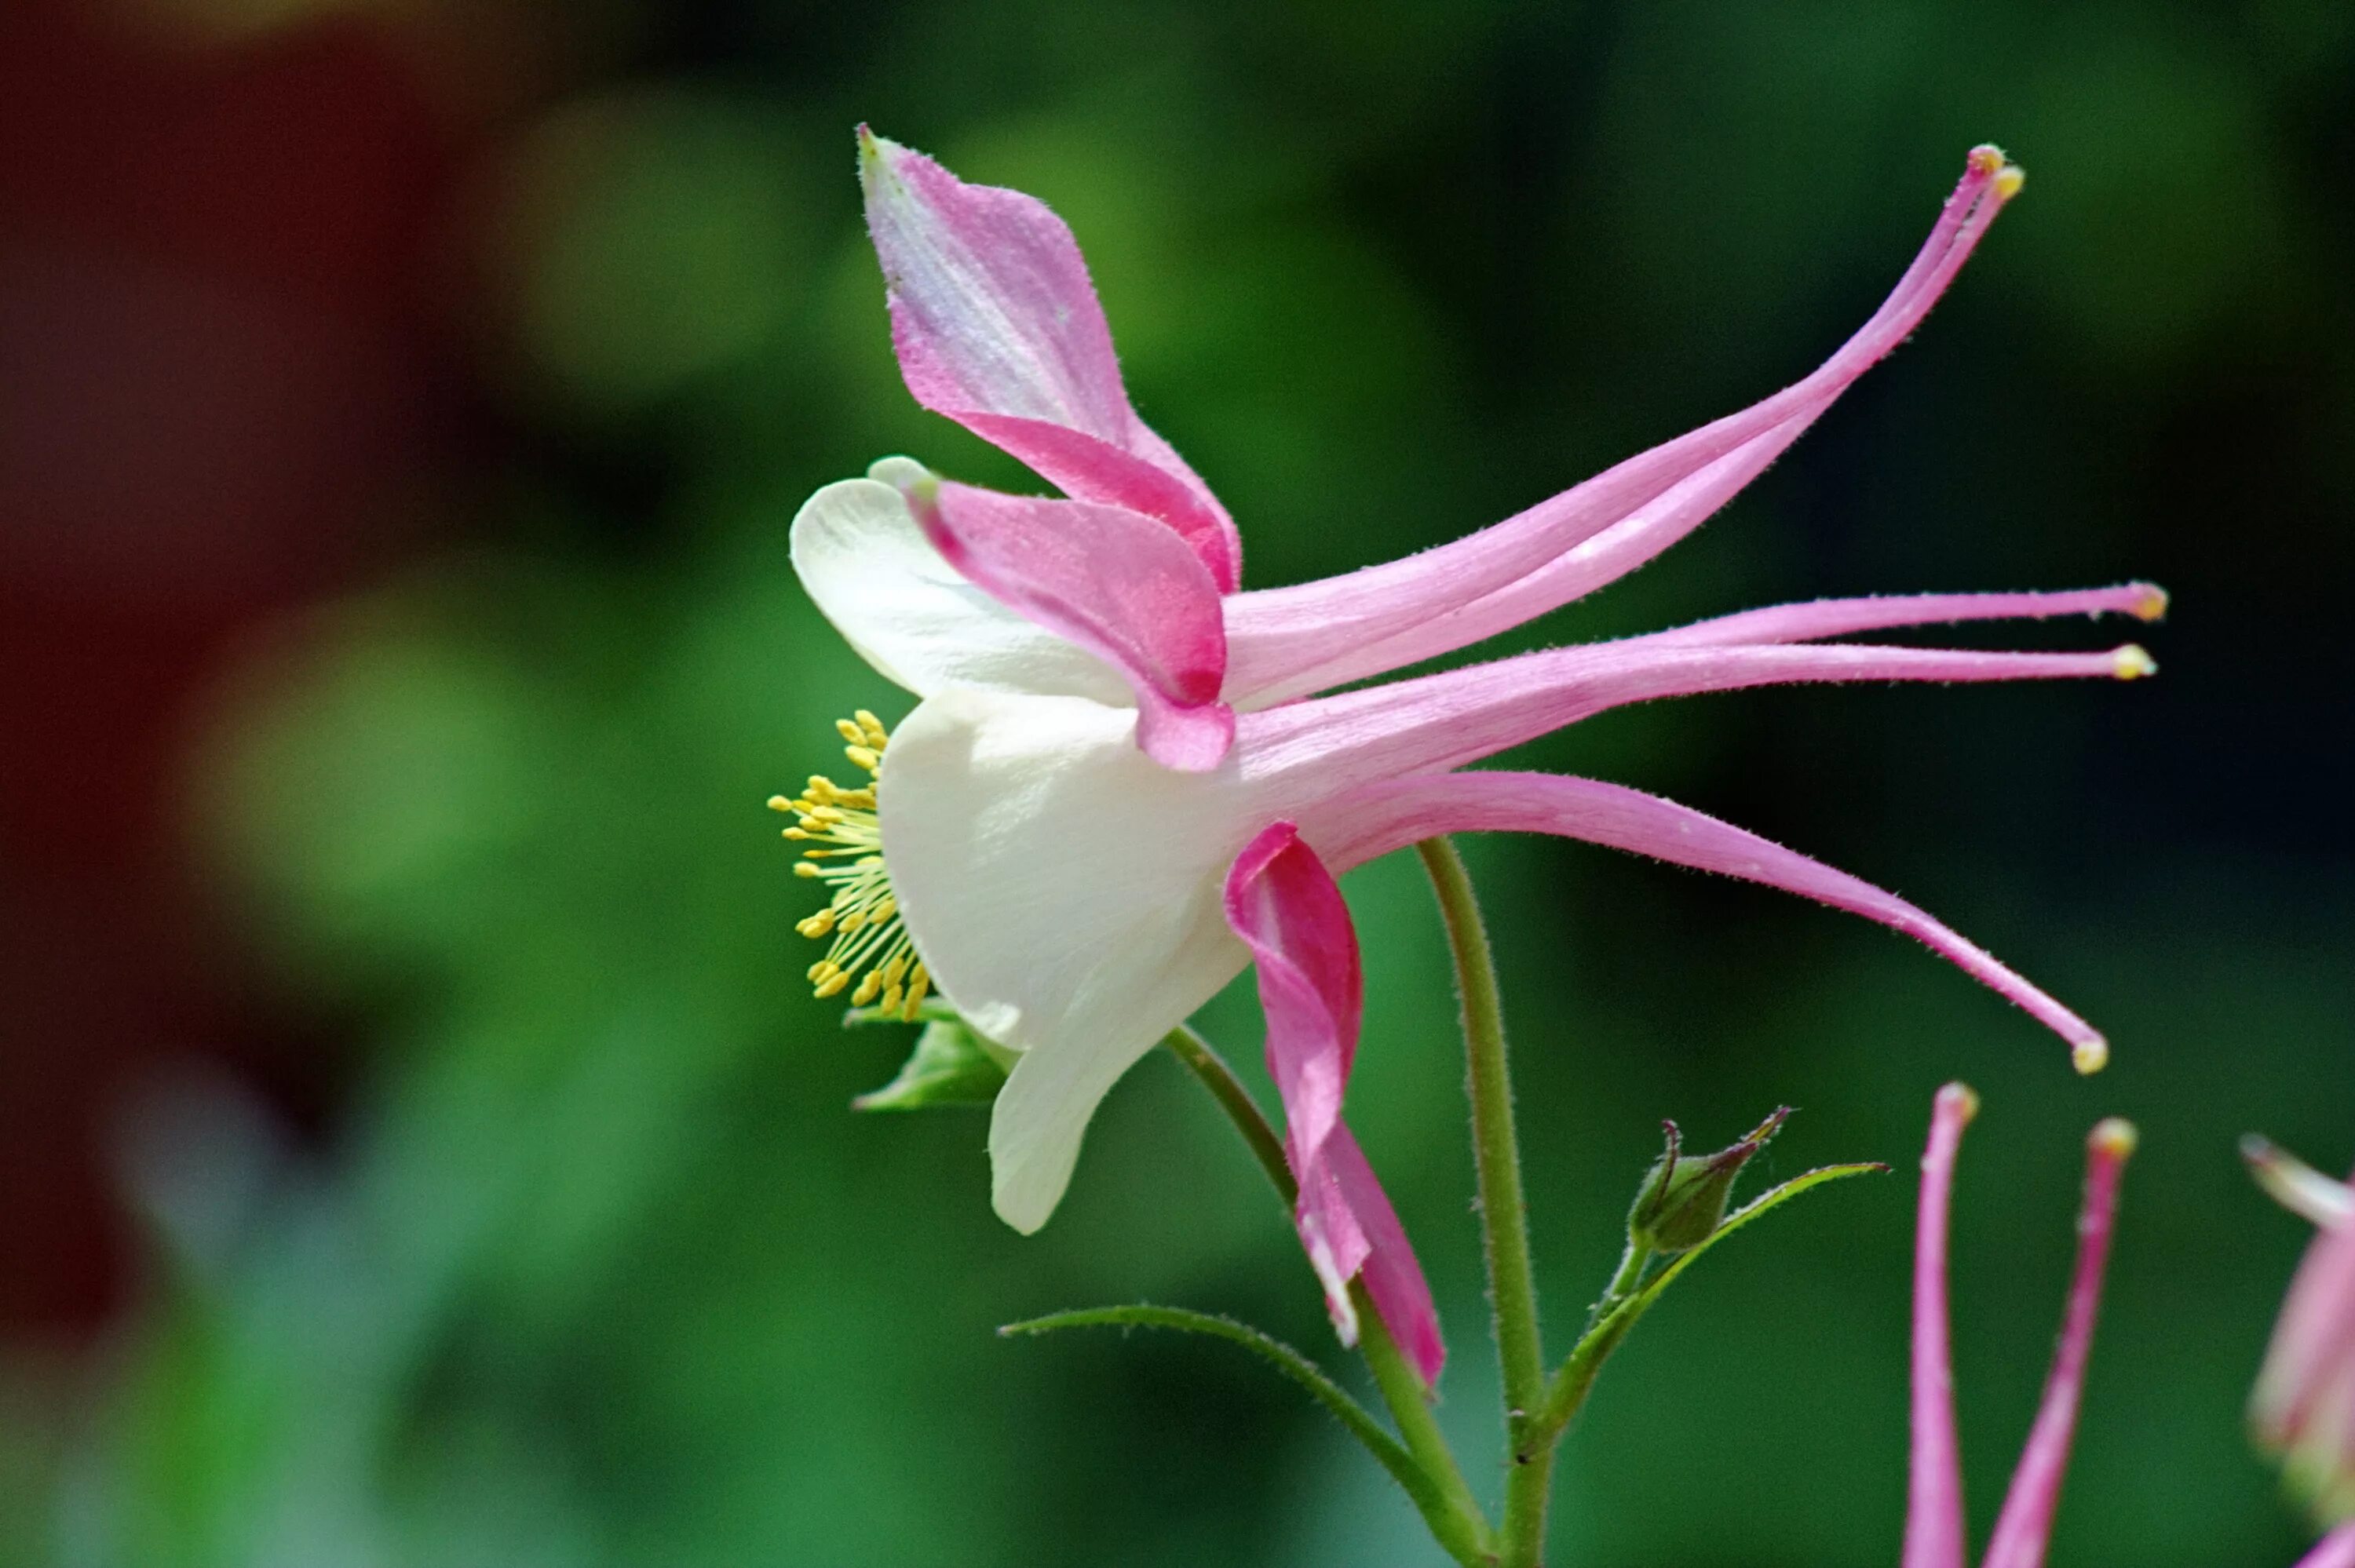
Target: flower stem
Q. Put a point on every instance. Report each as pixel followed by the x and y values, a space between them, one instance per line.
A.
pixel 1447 1507
pixel 1504 1212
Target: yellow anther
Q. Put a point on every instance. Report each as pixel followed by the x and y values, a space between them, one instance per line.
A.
pixel 778 803
pixel 2008 181
pixel 1965 1098
pixel 2113 1136
pixel 870 946
pixel 1986 158
pixel 2133 663
pixel 2090 1056
pixel 916 990
pixel 2150 603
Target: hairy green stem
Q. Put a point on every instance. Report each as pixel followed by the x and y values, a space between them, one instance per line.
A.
pixel 1448 1507
pixel 1504 1212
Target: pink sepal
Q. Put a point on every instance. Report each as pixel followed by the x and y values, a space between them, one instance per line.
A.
pixel 997 326
pixel 1376 819
pixel 1313 636
pixel 1286 907
pixel 1116 583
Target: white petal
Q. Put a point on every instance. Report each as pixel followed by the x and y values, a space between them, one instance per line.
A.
pixel 908 612
pixel 1063 891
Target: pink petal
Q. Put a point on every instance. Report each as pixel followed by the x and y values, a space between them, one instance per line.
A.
pixel 1439 722
pixel 1378 817
pixel 1933 1494
pixel 1291 641
pixel 1841 617
pixel 2025 1526
pixel 2336 1549
pixel 1288 910
pixel 997 327
pixel 1114 582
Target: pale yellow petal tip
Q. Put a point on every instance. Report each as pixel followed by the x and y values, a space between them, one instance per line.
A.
pixel 2133 663
pixel 2150 603
pixel 2113 1136
pixel 2091 1055
pixel 1963 1098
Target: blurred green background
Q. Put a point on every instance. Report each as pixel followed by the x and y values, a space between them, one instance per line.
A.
pixel 406 408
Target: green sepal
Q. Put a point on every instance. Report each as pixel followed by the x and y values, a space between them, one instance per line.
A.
pixel 950 1065
pixel 1682 1199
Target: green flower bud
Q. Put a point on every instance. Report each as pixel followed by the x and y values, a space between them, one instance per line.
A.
pixel 1682 1200
pixel 950 1065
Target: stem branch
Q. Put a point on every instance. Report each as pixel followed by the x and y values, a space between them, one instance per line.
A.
pixel 1452 1514
pixel 1504 1211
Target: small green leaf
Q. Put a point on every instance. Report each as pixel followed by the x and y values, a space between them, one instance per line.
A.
pixel 950 1065
pixel 1420 1485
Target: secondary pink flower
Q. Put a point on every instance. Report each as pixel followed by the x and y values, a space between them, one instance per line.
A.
pixel 2304 1407
pixel 1107 721
pixel 1934 1515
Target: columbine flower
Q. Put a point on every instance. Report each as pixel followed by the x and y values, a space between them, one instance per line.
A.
pixel 1934 1515
pixel 1106 720
pixel 2304 1407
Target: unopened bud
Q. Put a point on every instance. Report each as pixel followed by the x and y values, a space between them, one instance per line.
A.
pixel 1682 1200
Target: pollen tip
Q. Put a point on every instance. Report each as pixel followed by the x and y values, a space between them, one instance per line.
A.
pixel 2113 1136
pixel 2150 602
pixel 2133 661
pixel 803 867
pixel 1963 1098
pixel 2090 1056
pixel 1986 158
pixel 780 803
pixel 2008 181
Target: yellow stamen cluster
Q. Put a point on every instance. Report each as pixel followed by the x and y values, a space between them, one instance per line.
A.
pixel 862 915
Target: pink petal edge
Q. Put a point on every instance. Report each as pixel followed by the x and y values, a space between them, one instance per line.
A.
pixel 2336 1549
pixel 1116 583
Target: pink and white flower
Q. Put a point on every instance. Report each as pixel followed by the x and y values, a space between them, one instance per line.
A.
pixel 1108 723
pixel 2304 1407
